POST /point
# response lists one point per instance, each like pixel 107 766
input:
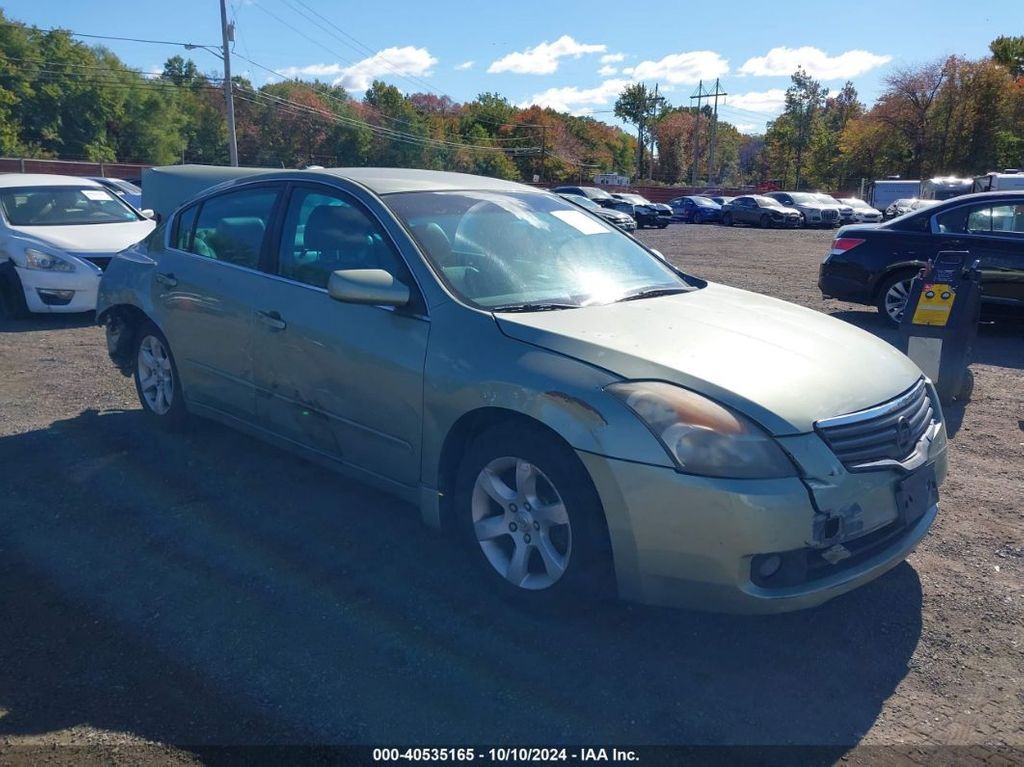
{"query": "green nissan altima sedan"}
pixel 582 415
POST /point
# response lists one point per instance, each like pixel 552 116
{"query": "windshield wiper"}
pixel 652 292
pixel 534 307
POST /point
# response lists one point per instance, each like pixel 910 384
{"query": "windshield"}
pixel 803 198
pixel 636 199
pixel 524 250
pixel 63 206
pixel 704 202
pixel 583 202
pixel 827 199
pixel 767 202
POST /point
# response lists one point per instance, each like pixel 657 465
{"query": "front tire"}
pixel 156 379
pixel 12 295
pixel 727 219
pixel 531 519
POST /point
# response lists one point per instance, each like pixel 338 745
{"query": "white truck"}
pixel 1009 179
pixel 885 192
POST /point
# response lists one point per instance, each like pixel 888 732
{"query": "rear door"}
pixel 203 291
pixel 343 379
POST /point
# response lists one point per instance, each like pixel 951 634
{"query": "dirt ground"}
pixel 161 591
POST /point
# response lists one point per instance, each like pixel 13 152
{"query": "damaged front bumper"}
pixel 760 546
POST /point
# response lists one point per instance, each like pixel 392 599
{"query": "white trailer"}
pixel 1010 179
pixel 886 191
pixel 611 179
pixel 945 187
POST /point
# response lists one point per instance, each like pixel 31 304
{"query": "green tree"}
pixel 1009 51
pixel 639 106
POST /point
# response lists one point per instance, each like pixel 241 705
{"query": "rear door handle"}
pixel 167 279
pixel 272 319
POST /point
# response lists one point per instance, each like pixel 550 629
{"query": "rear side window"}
pixel 183 227
pixel 997 219
pixel 232 227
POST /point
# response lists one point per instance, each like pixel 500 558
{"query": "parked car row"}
pixel 643 212
pixel 773 209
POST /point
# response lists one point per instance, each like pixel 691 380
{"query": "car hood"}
pixel 781 364
pixel 89 238
pixel 784 209
pixel 610 213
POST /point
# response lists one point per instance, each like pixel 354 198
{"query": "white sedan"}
pixel 57 235
pixel 862 212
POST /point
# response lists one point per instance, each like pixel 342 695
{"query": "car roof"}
pixel 8 180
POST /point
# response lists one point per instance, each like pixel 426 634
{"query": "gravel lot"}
pixel 205 588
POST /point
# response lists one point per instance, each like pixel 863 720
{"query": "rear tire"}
pixel 156 379
pixel 765 222
pixel 892 295
pixel 531 520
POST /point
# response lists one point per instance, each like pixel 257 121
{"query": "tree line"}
pixel 60 98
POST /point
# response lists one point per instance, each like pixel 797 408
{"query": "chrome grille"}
pixel 830 214
pixel 887 432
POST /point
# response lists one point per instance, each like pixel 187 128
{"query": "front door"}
pixel 343 379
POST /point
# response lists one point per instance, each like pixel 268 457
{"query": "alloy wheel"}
pixel 896 299
pixel 521 523
pixel 156 376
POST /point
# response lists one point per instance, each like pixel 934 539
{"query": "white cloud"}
pixel 607 71
pixel 543 59
pixel 359 76
pixel 759 101
pixel 573 99
pixel 688 67
pixel 465 65
pixel 613 58
pixel 748 127
pixel 784 62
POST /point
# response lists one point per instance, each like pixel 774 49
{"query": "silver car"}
pixel 580 414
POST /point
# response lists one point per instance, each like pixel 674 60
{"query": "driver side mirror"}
pixel 375 287
pixel 150 214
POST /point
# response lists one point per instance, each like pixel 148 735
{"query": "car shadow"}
pixel 203 588
pixel 47 322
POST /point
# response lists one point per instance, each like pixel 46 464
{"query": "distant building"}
pixel 611 179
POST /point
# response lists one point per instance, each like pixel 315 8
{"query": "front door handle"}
pixel 272 319
pixel 167 279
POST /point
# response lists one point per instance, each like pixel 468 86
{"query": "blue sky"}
pixel 571 55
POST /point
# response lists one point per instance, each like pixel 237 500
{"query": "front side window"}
pixel 231 227
pixel 324 231
pixel 64 206
pixel 996 219
pixel 517 250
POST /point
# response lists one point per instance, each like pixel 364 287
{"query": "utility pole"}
pixel 228 35
pixel 543 151
pixel 696 134
pixel 714 129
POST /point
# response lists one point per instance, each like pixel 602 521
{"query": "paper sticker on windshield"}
pixel 96 194
pixel 580 221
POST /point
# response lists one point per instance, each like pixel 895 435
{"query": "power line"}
pixel 100 37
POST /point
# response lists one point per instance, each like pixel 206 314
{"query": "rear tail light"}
pixel 842 244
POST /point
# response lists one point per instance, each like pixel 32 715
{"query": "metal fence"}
pixel 71 167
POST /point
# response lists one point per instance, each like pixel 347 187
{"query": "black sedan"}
pixel 694 209
pixel 758 210
pixel 622 220
pixel 645 212
pixel 875 263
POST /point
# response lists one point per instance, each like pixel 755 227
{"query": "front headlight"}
pixel 37 259
pixel 701 436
